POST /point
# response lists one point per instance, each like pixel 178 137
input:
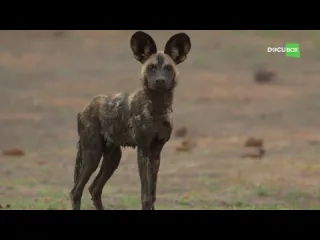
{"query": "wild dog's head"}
pixel 159 68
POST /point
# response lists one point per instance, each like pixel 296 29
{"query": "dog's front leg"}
pixel 149 163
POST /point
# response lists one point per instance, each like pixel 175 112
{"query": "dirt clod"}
pixel 185 146
pixel 59 34
pixel 181 132
pixel 264 76
pixel 254 142
pixel 257 144
pixel 13 152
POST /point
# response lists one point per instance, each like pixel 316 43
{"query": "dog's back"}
pixel 112 116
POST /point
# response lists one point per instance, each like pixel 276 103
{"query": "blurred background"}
pixel 246 122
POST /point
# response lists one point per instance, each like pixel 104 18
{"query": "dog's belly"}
pixel 120 136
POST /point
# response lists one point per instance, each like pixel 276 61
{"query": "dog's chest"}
pixel 163 125
pixel 148 127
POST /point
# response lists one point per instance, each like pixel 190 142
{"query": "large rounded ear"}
pixel 142 46
pixel 178 47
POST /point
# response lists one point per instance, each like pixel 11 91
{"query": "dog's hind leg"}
pixel 91 152
pixel 111 159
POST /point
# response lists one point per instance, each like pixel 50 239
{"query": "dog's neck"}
pixel 161 100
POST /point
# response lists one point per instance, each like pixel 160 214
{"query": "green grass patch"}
pixel 261 191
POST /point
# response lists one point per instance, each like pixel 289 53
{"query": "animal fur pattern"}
pixel 141 119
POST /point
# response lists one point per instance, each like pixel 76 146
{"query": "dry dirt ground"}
pixel 46 77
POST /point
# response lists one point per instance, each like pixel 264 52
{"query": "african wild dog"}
pixel 141 119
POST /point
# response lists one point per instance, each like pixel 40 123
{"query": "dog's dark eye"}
pixel 168 68
pixel 152 67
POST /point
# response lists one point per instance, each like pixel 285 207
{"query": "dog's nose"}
pixel 160 81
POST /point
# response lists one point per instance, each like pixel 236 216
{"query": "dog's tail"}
pixel 78 164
